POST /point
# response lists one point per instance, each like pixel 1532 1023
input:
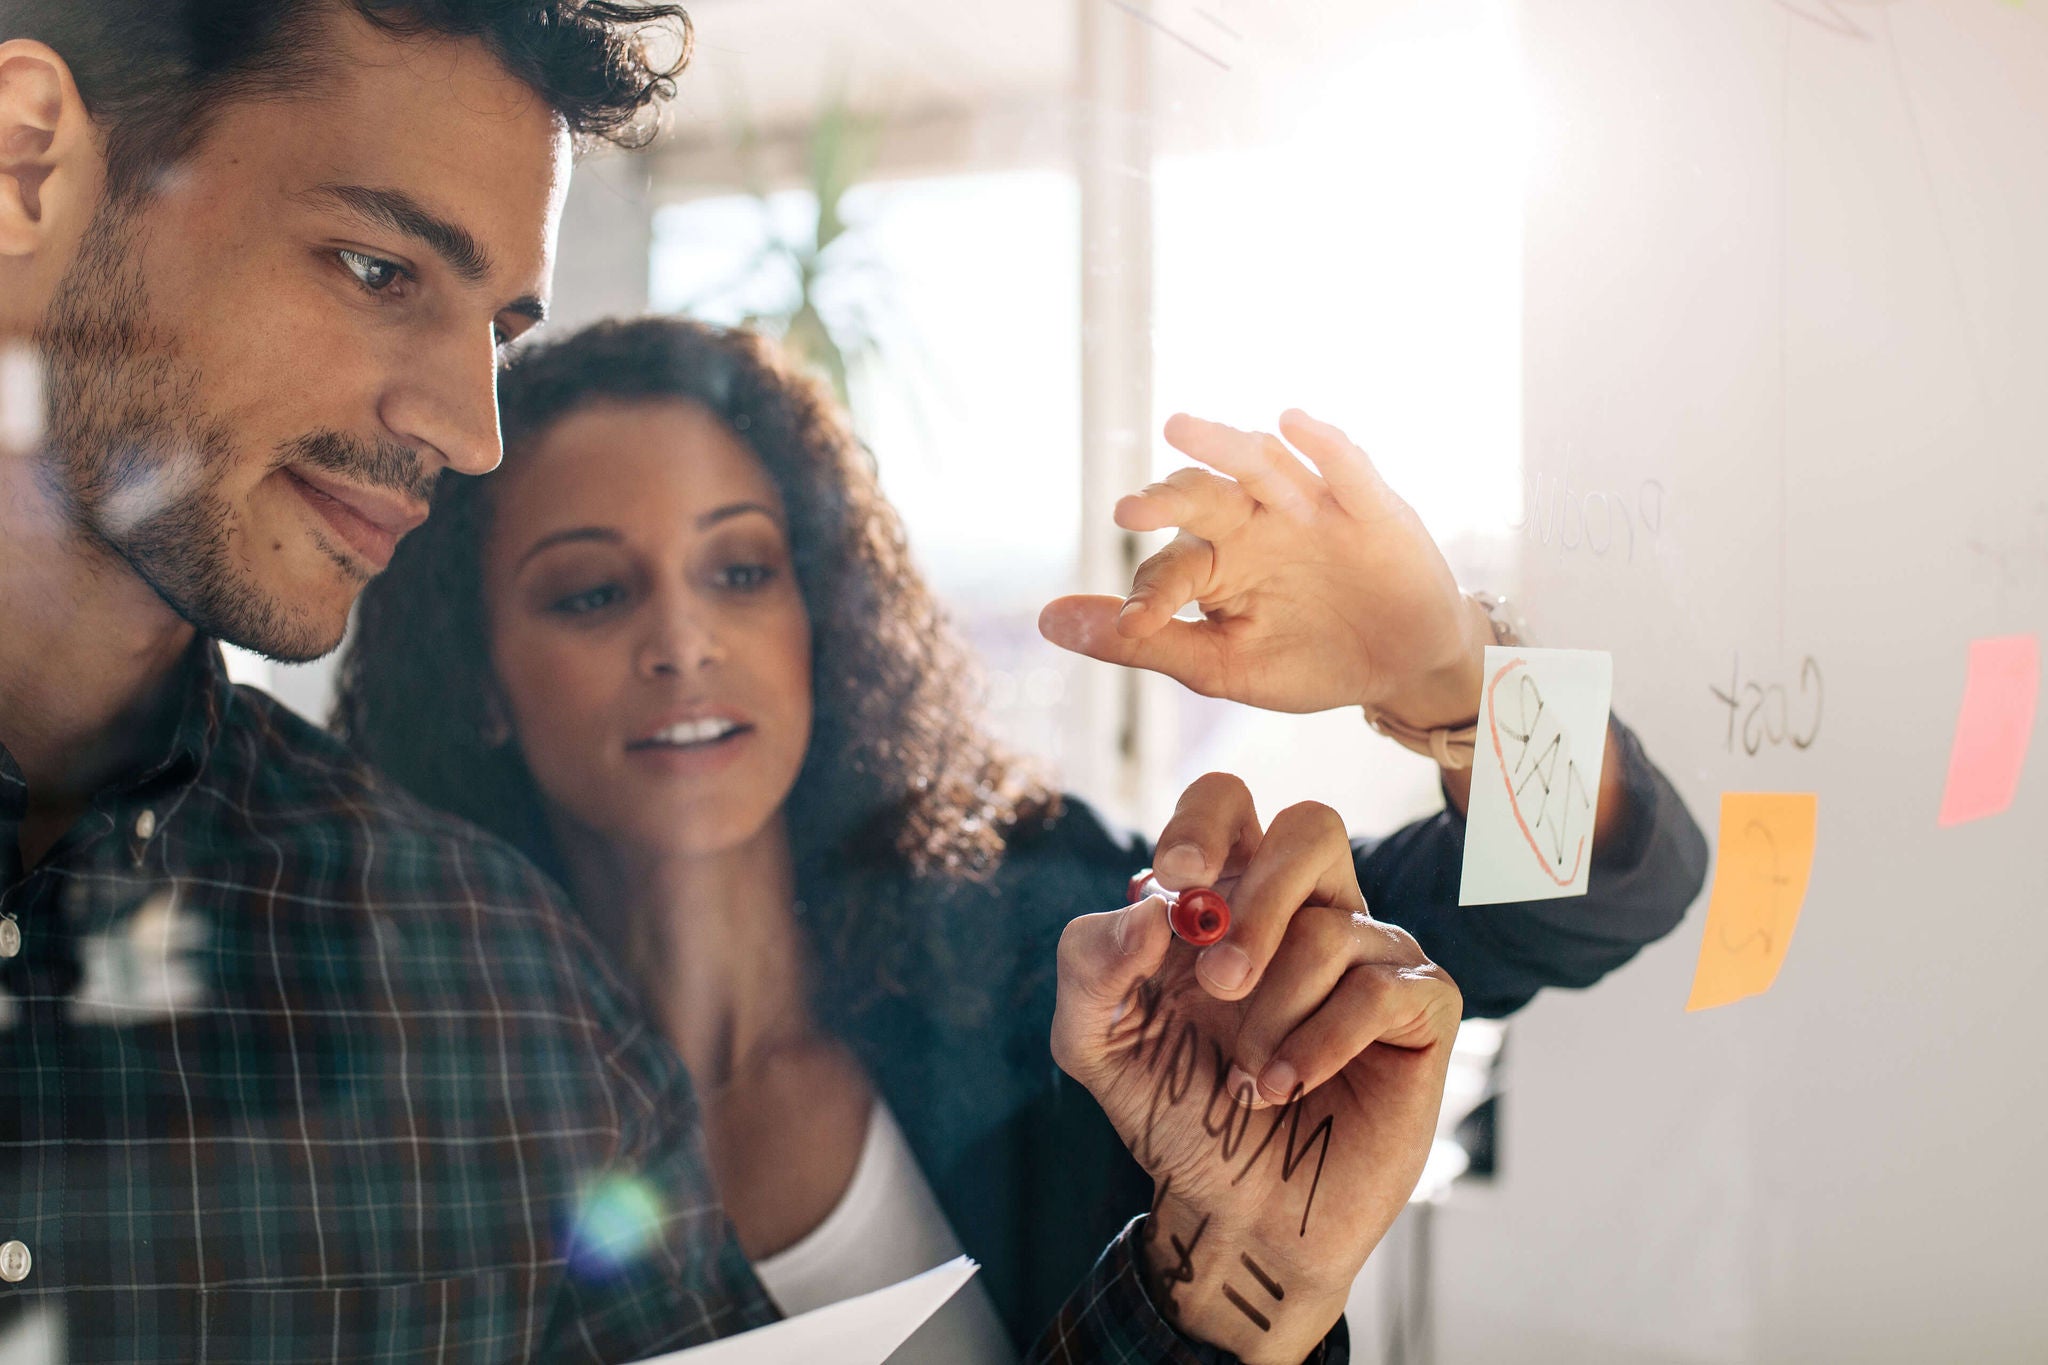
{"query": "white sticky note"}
pixel 1536 774
pixel 863 1330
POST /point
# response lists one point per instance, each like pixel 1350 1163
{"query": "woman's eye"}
pixel 745 576
pixel 589 600
pixel 373 273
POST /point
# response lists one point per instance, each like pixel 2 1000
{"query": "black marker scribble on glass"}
pixel 1172 1083
pixel 1144 15
pixel 1830 14
pixel 1143 1030
pixel 1769 718
pixel 1237 1109
pixel 1296 1151
pixel 1266 1282
pixel 1182 1271
pixel 1259 1319
pixel 1554 511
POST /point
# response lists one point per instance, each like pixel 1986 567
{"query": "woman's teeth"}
pixel 694 732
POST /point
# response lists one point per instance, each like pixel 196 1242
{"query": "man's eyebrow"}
pixel 400 212
pixel 604 534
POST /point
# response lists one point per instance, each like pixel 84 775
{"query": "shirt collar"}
pixel 202 709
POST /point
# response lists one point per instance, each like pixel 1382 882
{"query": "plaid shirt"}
pixel 294 1068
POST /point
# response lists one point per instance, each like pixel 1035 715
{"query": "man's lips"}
pixel 370 522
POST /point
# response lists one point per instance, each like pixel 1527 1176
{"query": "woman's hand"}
pixel 1281 1087
pixel 1318 588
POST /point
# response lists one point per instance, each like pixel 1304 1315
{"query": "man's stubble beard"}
pixel 136 462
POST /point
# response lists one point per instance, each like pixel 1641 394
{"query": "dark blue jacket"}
pixel 1028 1169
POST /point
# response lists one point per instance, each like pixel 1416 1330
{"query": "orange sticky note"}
pixel 1993 728
pixel 1760 875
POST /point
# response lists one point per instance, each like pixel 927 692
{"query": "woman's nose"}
pixel 683 644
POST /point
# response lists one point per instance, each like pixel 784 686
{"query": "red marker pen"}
pixel 1199 914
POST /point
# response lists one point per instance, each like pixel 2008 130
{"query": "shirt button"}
pixel 10 938
pixel 14 1262
pixel 145 825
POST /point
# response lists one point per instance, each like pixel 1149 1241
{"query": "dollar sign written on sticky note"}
pixel 1992 729
pixel 1760 874
pixel 1536 760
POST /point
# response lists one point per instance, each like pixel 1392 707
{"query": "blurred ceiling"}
pixel 774 62
pixel 992 82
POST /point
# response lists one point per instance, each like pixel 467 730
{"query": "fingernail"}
pixel 1130 605
pixel 1240 1088
pixel 1182 860
pixel 1277 1082
pixel 1224 966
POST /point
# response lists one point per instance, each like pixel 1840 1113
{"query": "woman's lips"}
pixel 693 759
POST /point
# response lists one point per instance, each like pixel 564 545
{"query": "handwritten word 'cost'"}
pixel 1773 713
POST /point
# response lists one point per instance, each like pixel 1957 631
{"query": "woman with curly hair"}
pixel 676 651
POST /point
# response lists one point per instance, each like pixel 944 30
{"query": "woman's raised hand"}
pixel 1281 1087
pixel 1318 587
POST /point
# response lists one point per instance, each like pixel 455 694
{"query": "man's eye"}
pixel 373 273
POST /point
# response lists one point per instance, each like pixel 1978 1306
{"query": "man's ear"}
pixel 51 164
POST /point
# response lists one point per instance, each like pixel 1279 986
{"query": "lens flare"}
pixel 617 1219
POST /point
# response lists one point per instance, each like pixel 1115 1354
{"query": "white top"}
pixel 887 1227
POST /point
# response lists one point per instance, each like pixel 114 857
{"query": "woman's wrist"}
pixel 1447 695
pixel 1217 1286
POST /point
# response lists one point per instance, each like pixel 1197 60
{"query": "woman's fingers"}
pixel 1102 961
pixel 1213 831
pixel 1185 651
pixel 1165 583
pixel 1410 1007
pixel 1316 951
pixel 1262 463
pixel 1348 471
pixel 1302 860
pixel 1322 949
pixel 1194 500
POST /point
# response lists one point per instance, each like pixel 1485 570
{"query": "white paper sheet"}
pixel 857 1331
pixel 1536 774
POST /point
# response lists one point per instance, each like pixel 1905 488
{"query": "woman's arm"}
pixel 1320 587
pixel 1649 862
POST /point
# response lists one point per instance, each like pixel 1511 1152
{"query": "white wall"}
pixel 1785 261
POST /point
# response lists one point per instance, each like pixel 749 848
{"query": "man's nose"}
pixel 446 400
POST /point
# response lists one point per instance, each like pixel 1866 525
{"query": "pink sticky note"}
pixel 1992 732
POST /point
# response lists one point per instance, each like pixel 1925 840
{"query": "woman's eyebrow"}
pixel 733 509
pixel 604 534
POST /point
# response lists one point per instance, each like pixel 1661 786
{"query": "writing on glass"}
pixel 1766 713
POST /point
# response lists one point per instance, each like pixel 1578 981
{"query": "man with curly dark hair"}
pixel 295 1068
